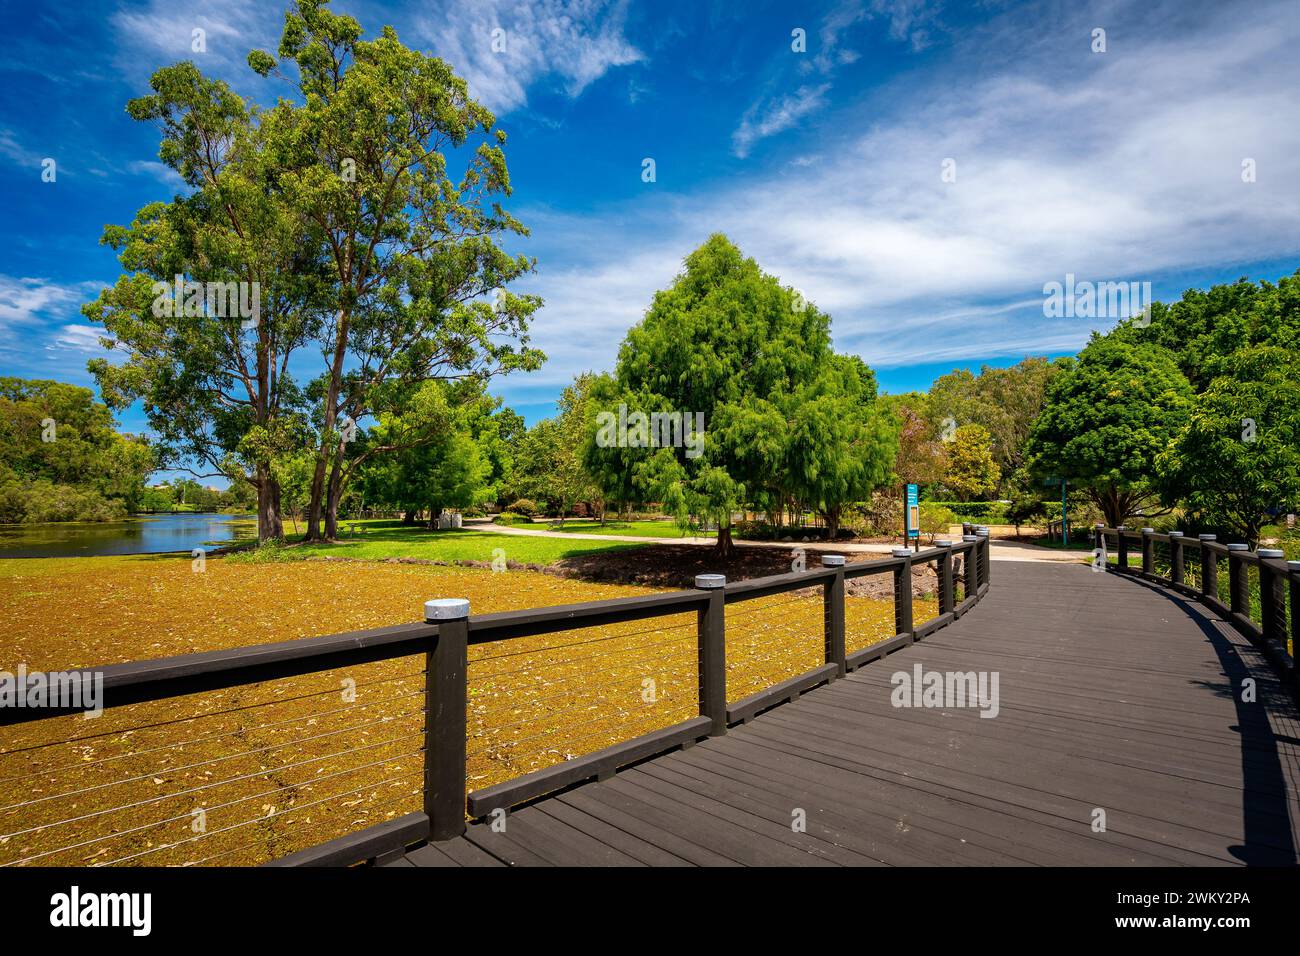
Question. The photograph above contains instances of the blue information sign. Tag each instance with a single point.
(912, 514)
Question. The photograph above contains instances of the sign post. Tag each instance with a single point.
(912, 517)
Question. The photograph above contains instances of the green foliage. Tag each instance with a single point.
(1238, 458)
(922, 456)
(1004, 401)
(1106, 420)
(431, 459)
(61, 458)
(936, 519)
(972, 470)
(523, 506)
(784, 418)
(510, 517)
(549, 466)
(338, 202)
(988, 512)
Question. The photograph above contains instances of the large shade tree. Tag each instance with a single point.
(1236, 463)
(730, 343)
(338, 203)
(213, 379)
(412, 255)
(1105, 422)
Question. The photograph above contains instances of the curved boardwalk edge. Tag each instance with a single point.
(1115, 696)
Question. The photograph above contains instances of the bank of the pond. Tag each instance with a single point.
(144, 534)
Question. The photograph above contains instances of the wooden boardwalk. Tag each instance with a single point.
(1114, 695)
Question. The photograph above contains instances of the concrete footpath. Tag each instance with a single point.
(999, 550)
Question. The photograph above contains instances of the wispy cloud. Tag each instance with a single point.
(767, 118)
(1124, 166)
(24, 300)
(83, 339)
(504, 47)
(913, 21)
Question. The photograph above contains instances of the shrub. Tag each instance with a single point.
(509, 518)
(978, 512)
(935, 519)
(524, 506)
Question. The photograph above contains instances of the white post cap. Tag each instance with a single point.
(1293, 565)
(1148, 530)
(902, 552)
(1272, 553)
(708, 582)
(1208, 537)
(1238, 547)
(1173, 534)
(832, 560)
(970, 537)
(446, 609)
(943, 544)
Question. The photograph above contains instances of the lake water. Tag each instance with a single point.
(145, 535)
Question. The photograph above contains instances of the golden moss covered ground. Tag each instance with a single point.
(252, 773)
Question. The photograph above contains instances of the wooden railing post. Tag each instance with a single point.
(970, 567)
(1121, 547)
(833, 614)
(1148, 551)
(903, 592)
(1238, 580)
(445, 699)
(986, 556)
(945, 577)
(1209, 568)
(1176, 557)
(1272, 596)
(712, 639)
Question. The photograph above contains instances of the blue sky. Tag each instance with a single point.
(825, 165)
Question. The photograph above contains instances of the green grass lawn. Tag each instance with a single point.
(663, 528)
(376, 540)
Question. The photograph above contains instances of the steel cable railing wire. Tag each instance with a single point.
(588, 705)
(572, 660)
(298, 741)
(70, 741)
(598, 640)
(207, 786)
(212, 737)
(189, 815)
(250, 848)
(770, 649)
(263, 819)
(532, 702)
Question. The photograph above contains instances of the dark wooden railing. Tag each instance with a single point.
(449, 631)
(1266, 611)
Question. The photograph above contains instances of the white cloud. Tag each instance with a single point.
(1124, 166)
(25, 300)
(159, 171)
(574, 42)
(767, 118)
(161, 32)
(77, 338)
